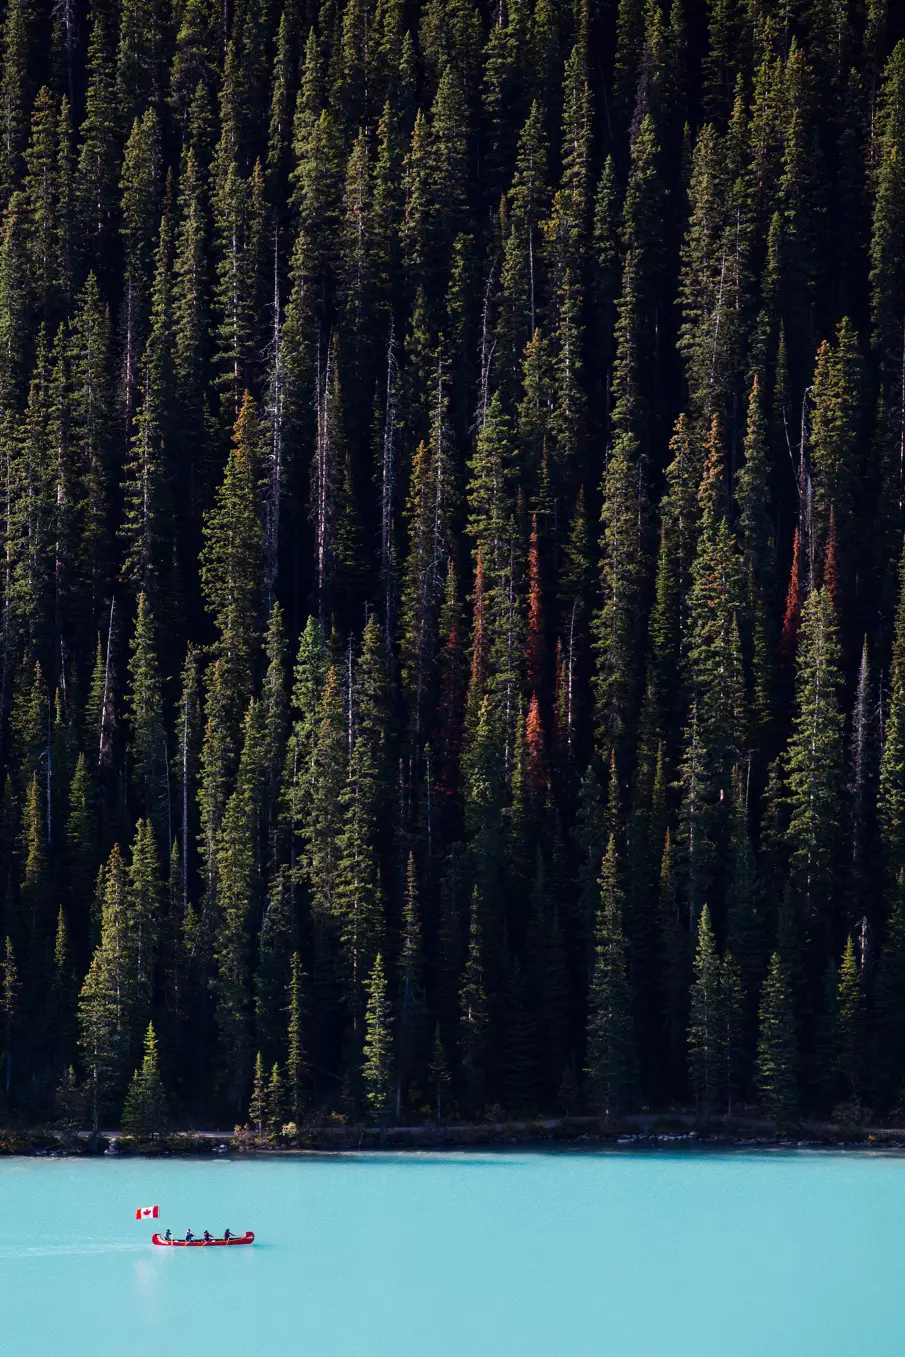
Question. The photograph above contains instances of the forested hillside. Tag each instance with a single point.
(452, 491)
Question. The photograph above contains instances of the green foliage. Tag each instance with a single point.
(705, 1027)
(145, 1109)
(610, 1071)
(814, 760)
(777, 1055)
(377, 1067)
(257, 1107)
(326, 332)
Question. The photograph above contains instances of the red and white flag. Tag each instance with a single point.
(147, 1213)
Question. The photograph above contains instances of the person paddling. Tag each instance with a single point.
(207, 1236)
(189, 1237)
(227, 1235)
(168, 1236)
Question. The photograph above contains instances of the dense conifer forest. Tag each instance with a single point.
(452, 493)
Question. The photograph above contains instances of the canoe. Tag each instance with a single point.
(246, 1238)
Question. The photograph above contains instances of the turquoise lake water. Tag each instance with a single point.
(465, 1255)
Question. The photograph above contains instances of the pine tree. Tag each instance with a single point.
(274, 1103)
(140, 925)
(850, 1023)
(105, 1001)
(15, 83)
(617, 623)
(410, 1006)
(713, 259)
(97, 172)
(358, 902)
(777, 1059)
(377, 1067)
(296, 1059)
(887, 275)
(273, 972)
(891, 789)
(641, 281)
(144, 1111)
(323, 812)
(148, 517)
(732, 1000)
(257, 1108)
(10, 987)
(44, 185)
(440, 1077)
(140, 75)
(474, 1009)
(835, 428)
(610, 1068)
(705, 1028)
(149, 750)
(231, 557)
(238, 877)
(140, 186)
(813, 765)
(91, 420)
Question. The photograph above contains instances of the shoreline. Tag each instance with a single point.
(577, 1133)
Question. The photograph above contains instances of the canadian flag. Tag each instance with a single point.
(147, 1213)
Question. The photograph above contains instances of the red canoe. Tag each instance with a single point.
(246, 1238)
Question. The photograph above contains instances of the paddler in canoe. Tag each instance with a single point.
(190, 1241)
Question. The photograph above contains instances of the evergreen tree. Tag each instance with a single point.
(231, 555)
(850, 1023)
(617, 623)
(474, 1010)
(144, 1111)
(333, 326)
(409, 1008)
(296, 1060)
(777, 1060)
(439, 1073)
(149, 750)
(274, 1100)
(814, 763)
(97, 171)
(377, 1069)
(10, 986)
(257, 1108)
(705, 1028)
(610, 1053)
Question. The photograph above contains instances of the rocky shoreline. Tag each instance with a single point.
(578, 1133)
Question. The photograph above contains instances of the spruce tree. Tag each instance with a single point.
(440, 1077)
(610, 1070)
(474, 1009)
(10, 987)
(777, 1057)
(144, 1111)
(274, 1103)
(296, 1059)
(231, 558)
(813, 764)
(377, 1067)
(850, 1023)
(257, 1107)
(705, 1027)
(410, 1005)
(149, 749)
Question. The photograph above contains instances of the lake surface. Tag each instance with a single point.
(459, 1255)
